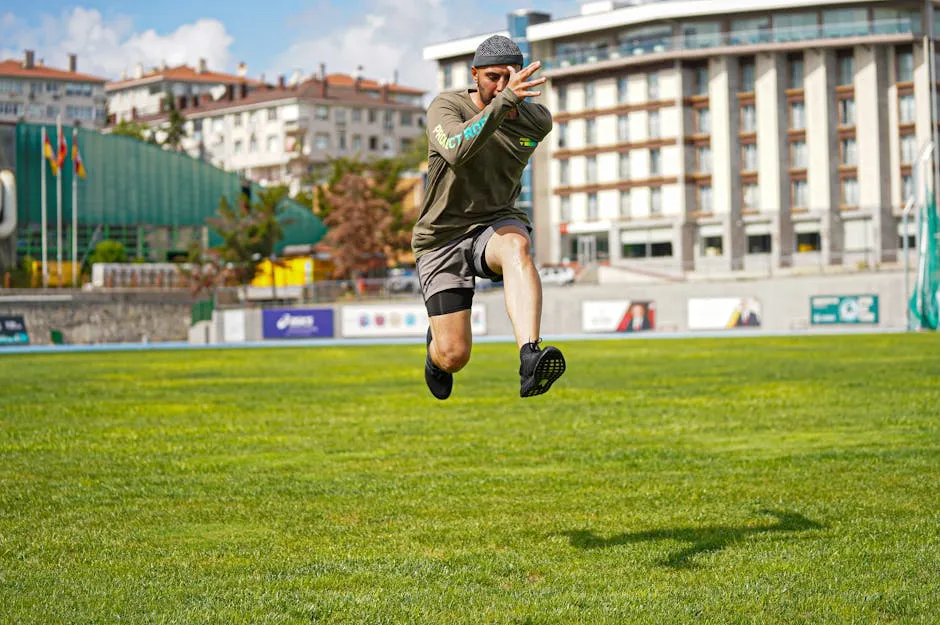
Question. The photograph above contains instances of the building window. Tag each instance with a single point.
(795, 73)
(589, 95)
(407, 118)
(758, 244)
(908, 149)
(341, 140)
(322, 112)
(906, 109)
(703, 159)
(624, 166)
(655, 162)
(357, 116)
(388, 120)
(847, 112)
(797, 116)
(905, 59)
(799, 191)
(592, 211)
(623, 128)
(703, 121)
(356, 142)
(623, 89)
(907, 186)
(322, 141)
(712, 246)
(704, 199)
(652, 86)
(846, 70)
(563, 172)
(339, 115)
(653, 123)
(625, 204)
(749, 157)
(590, 169)
(747, 76)
(590, 131)
(372, 116)
(238, 146)
(847, 152)
(661, 249)
(447, 77)
(849, 192)
(562, 99)
(701, 80)
(656, 201)
(565, 209)
(808, 242)
(798, 155)
(748, 118)
(272, 143)
(751, 197)
(237, 120)
(562, 135)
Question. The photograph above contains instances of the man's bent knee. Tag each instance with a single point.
(452, 357)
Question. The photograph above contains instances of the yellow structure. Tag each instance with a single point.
(296, 271)
(36, 273)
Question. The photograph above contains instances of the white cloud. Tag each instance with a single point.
(108, 47)
(388, 36)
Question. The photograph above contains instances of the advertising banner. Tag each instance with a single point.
(618, 316)
(718, 313)
(297, 323)
(843, 309)
(13, 330)
(398, 320)
(233, 326)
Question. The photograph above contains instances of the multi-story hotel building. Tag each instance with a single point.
(276, 134)
(34, 92)
(709, 136)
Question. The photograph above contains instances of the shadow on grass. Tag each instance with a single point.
(701, 539)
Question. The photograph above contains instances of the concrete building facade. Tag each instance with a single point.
(713, 138)
(32, 91)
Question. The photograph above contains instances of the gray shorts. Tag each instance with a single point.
(457, 264)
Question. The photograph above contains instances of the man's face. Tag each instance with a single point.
(491, 80)
(638, 311)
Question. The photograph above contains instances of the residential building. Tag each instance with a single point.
(718, 137)
(142, 94)
(279, 134)
(32, 91)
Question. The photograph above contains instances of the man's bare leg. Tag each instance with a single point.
(450, 340)
(508, 253)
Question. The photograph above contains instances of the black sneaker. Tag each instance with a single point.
(440, 382)
(539, 368)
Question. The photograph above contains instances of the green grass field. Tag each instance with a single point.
(699, 481)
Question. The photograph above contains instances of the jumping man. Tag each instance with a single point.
(479, 141)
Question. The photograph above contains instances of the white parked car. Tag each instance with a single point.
(556, 275)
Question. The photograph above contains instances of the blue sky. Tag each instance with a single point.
(273, 36)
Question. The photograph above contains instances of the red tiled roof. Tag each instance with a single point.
(14, 68)
(345, 80)
(309, 90)
(183, 73)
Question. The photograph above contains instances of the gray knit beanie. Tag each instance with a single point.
(497, 50)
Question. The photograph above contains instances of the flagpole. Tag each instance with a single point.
(58, 231)
(45, 227)
(74, 223)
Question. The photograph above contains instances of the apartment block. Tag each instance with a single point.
(711, 137)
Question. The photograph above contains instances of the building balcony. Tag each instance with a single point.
(296, 127)
(704, 45)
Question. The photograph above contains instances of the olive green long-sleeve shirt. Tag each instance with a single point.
(475, 163)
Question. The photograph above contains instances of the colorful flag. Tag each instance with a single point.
(77, 157)
(63, 148)
(53, 163)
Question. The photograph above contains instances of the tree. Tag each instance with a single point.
(416, 154)
(249, 231)
(365, 215)
(108, 252)
(176, 128)
(130, 128)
